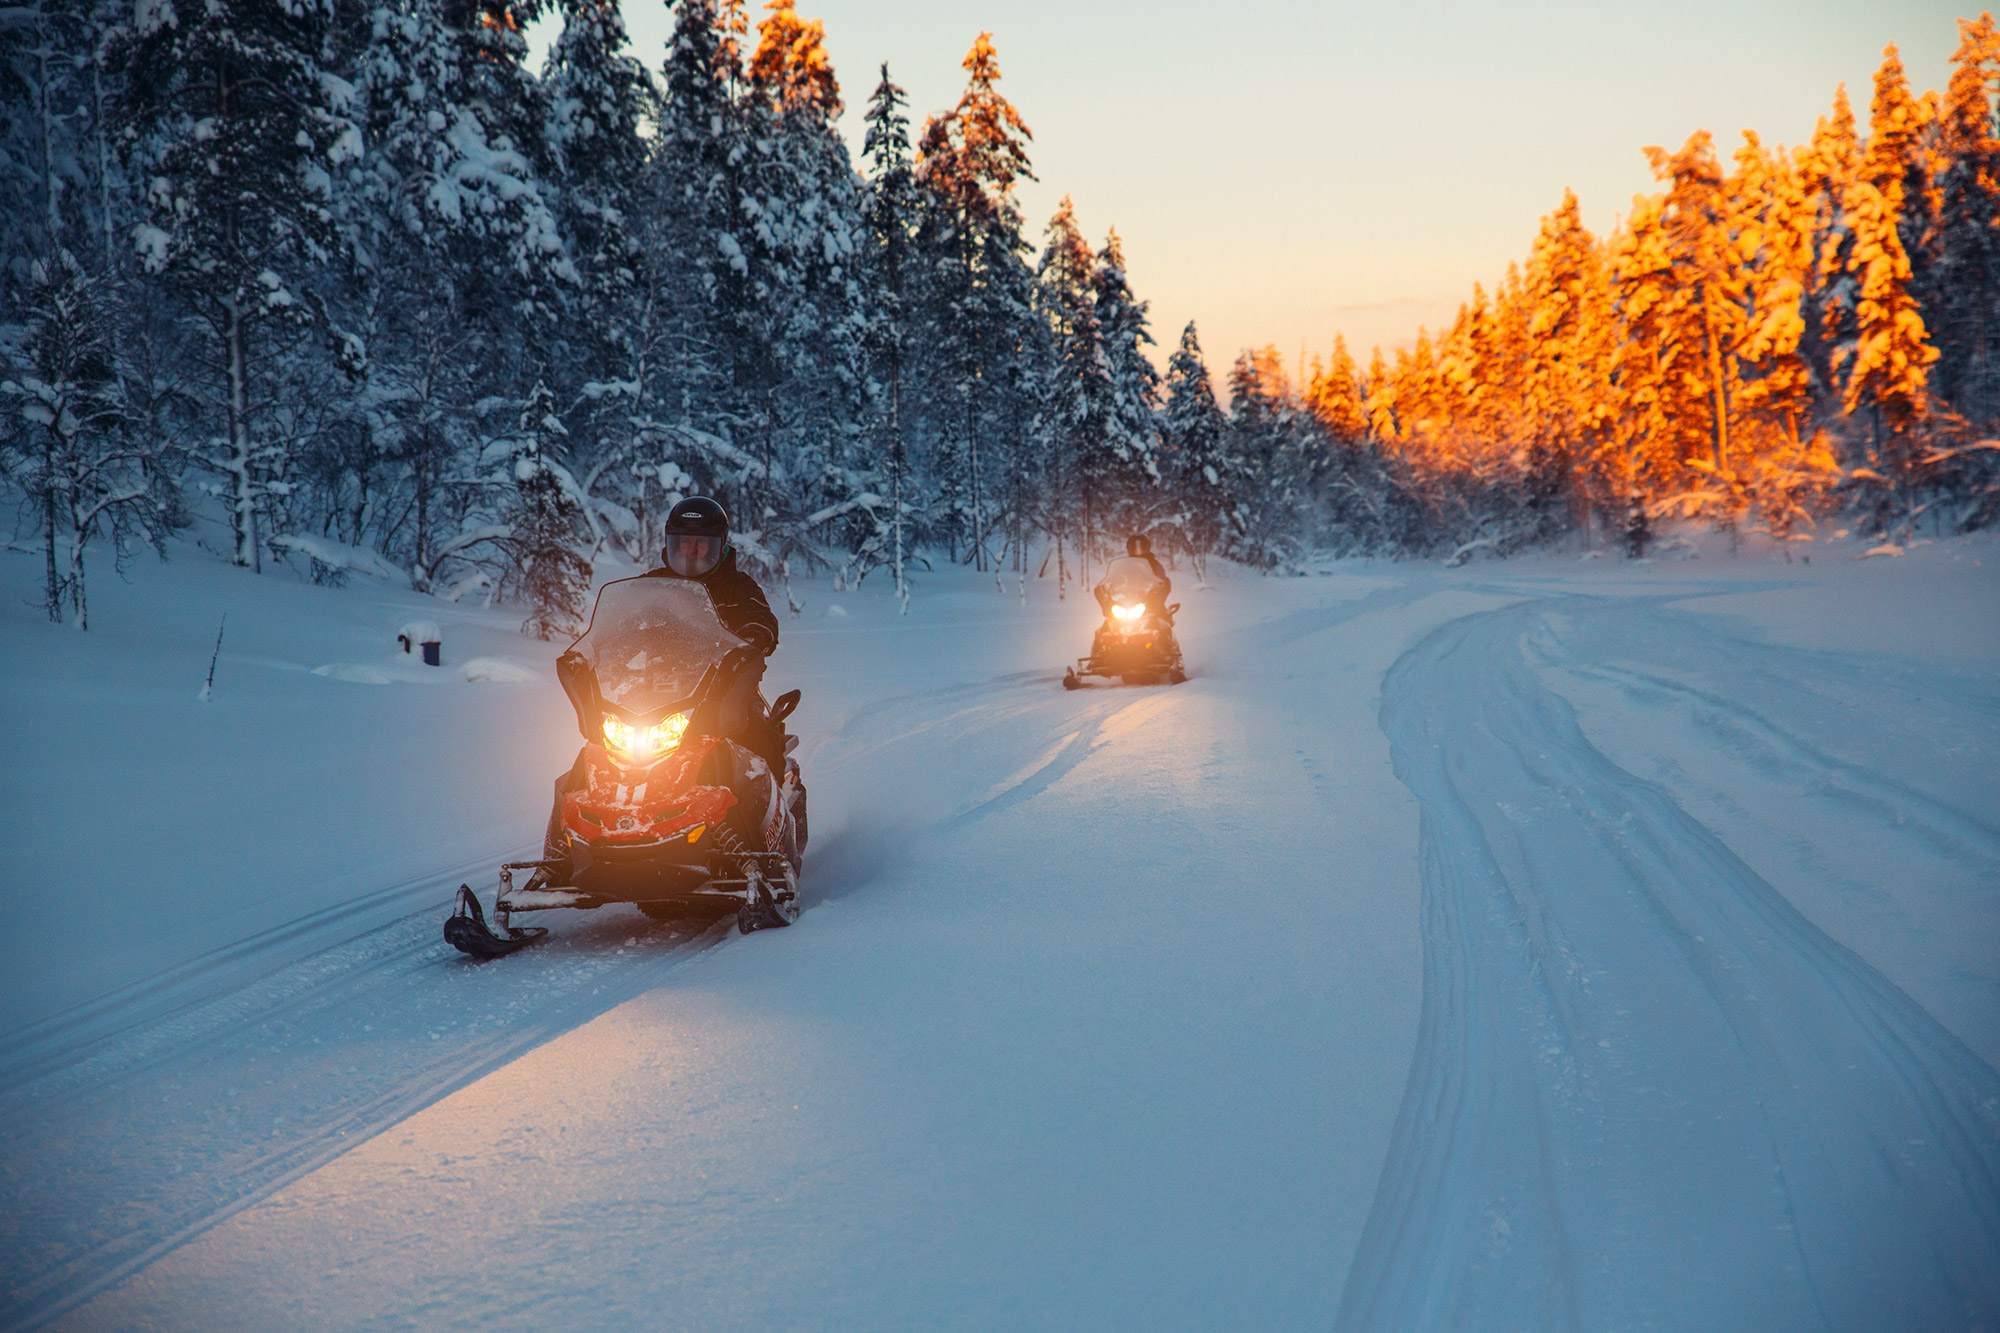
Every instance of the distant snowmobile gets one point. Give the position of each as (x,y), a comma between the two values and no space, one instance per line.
(668,807)
(1136,641)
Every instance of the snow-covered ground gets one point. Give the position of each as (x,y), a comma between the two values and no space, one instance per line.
(1532,944)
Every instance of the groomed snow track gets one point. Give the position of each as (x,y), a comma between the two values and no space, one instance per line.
(309,1039)
(1647,1090)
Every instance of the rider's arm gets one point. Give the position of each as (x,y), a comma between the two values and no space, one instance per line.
(744,611)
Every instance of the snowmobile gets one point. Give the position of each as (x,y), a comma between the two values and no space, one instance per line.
(667,807)
(1136,641)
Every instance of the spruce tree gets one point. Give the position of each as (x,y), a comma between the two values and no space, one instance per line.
(1205,479)
(892,218)
(1131,420)
(547,523)
(1961,298)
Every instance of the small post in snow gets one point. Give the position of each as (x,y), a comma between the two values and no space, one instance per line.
(209,684)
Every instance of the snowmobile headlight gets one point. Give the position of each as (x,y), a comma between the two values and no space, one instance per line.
(1128,612)
(667,732)
(628,743)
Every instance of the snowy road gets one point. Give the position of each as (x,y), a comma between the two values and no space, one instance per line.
(1639,1062)
(1509,948)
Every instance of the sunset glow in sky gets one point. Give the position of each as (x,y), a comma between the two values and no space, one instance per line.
(1356,167)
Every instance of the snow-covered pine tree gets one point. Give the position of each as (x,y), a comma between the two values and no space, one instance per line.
(1828,165)
(547,523)
(893,206)
(1896,160)
(700,273)
(1961,299)
(1263,416)
(459,261)
(1132,427)
(1564,366)
(1203,478)
(598,98)
(1887,369)
(229,119)
(1079,477)
(805,232)
(1787,466)
(979,317)
(1707,304)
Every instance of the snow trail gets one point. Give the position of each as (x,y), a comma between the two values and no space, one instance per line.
(1647,1089)
(129,1132)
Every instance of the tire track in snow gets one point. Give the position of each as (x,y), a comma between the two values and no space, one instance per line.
(135,1123)
(144,1132)
(1646,1089)
(1954,829)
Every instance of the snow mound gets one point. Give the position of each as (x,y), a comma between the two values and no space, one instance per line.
(354,675)
(836,610)
(1886,548)
(499,669)
(337,555)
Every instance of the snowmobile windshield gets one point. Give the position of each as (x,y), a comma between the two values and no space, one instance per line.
(650,640)
(1129,581)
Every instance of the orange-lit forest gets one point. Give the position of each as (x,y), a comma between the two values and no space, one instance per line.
(1776,333)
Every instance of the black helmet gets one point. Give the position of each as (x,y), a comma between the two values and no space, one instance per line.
(697,533)
(1139,544)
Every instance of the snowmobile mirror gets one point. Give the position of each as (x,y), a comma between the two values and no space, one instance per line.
(782,707)
(1174,609)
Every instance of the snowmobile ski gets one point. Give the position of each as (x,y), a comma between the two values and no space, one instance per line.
(466,929)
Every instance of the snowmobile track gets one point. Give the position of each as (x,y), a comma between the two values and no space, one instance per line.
(1637,1062)
(165,1126)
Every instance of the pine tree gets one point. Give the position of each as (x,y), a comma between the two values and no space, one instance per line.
(1564,364)
(1888,367)
(1131,413)
(892,220)
(1334,397)
(1205,480)
(981,306)
(1077,425)
(547,523)
(1829,165)
(598,97)
(1961,300)
(1787,465)
(1705,311)
(1896,161)
(230,122)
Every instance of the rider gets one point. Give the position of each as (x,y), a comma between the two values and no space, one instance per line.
(697,548)
(1140,547)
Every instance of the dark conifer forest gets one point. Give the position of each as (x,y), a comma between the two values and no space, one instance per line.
(360,284)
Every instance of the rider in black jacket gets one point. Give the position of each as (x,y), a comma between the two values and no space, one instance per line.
(1140,547)
(697,548)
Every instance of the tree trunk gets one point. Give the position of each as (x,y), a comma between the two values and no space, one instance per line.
(52,595)
(896,473)
(243,512)
(1719,404)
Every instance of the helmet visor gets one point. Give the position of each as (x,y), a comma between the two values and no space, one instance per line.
(692,557)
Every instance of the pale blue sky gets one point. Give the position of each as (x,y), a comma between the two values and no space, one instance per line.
(1285,171)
